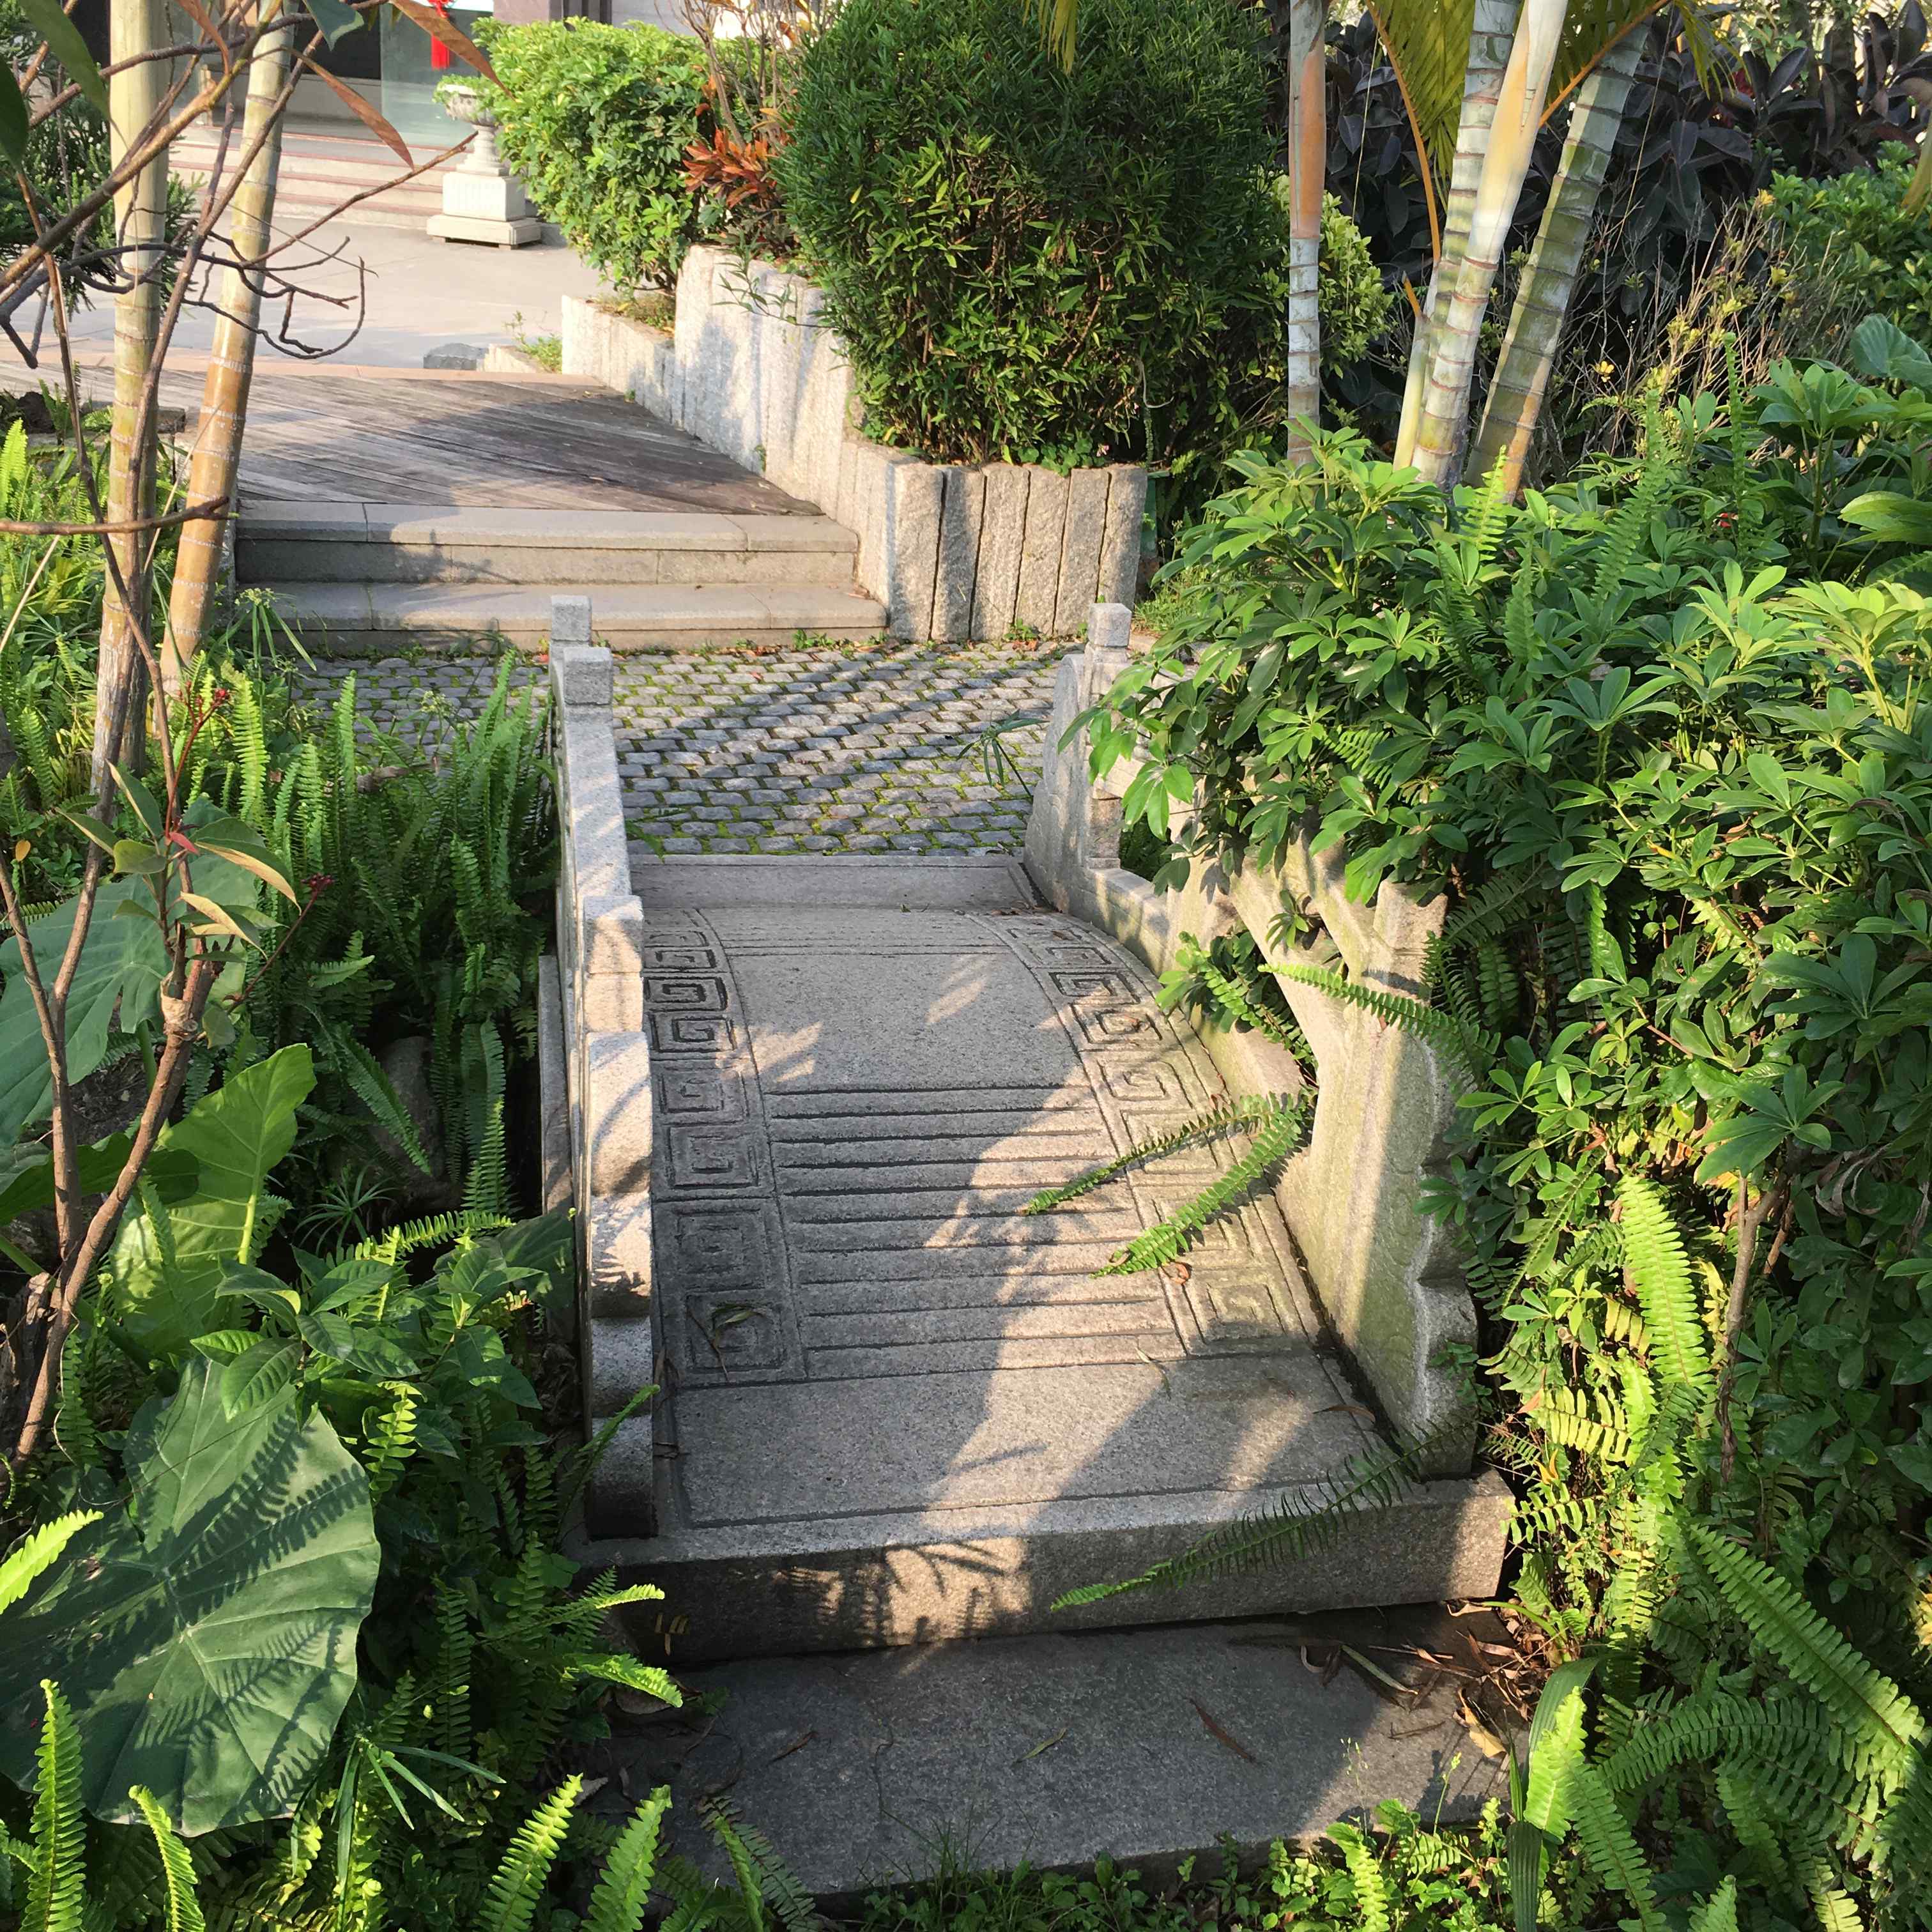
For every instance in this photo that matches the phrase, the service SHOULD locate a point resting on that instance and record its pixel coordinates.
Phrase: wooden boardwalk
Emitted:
(322, 433)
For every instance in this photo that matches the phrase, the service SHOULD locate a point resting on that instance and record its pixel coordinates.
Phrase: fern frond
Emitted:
(623, 1892)
(374, 1089)
(1372, 1896)
(1611, 1847)
(1834, 1908)
(1294, 1527)
(1274, 1141)
(56, 1879)
(790, 1902)
(38, 1552)
(1660, 1271)
(1744, 1808)
(434, 1231)
(181, 1909)
(1471, 1050)
(1883, 1726)
(1719, 1913)
(1231, 1116)
(389, 1440)
(1629, 524)
(449, 1680)
(510, 1904)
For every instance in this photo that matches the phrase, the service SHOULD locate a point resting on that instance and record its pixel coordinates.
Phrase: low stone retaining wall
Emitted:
(607, 1063)
(953, 551)
(1389, 1278)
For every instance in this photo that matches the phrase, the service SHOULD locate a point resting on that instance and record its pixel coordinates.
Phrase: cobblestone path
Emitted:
(895, 748)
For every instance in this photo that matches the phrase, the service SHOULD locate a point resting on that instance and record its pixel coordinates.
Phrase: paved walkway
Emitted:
(819, 749)
(415, 294)
(327, 433)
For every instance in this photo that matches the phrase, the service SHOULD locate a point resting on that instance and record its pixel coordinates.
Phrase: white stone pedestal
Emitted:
(482, 201)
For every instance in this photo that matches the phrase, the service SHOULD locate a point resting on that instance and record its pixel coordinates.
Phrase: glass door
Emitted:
(413, 62)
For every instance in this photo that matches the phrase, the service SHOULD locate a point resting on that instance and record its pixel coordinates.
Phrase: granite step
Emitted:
(897, 1411)
(1146, 1747)
(384, 618)
(400, 543)
(318, 173)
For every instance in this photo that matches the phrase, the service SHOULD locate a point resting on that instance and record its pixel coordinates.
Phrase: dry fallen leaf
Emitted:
(798, 1743)
(1046, 1745)
(1215, 1731)
(1485, 1740)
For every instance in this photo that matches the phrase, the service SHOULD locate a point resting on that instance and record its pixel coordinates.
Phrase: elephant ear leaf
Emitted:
(169, 1274)
(1883, 351)
(205, 1636)
(116, 986)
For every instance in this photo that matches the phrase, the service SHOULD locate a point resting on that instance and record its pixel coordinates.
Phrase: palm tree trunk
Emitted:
(231, 362)
(1543, 298)
(1491, 25)
(1454, 332)
(1308, 133)
(134, 96)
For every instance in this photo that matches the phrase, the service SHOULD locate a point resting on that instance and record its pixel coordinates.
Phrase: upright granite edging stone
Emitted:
(955, 552)
(606, 1062)
(1388, 1276)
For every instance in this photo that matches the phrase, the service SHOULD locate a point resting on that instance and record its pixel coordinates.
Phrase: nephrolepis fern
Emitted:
(1371, 1893)
(1296, 1526)
(1278, 1126)
(1471, 1048)
(518, 1885)
(623, 1891)
(1243, 1112)
(56, 1875)
(179, 1909)
(1660, 1271)
(1884, 1731)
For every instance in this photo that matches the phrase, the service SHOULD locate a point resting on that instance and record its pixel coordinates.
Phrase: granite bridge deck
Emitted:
(896, 1409)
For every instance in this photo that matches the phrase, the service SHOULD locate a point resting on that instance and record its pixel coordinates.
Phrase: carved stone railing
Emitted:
(600, 947)
(1388, 1277)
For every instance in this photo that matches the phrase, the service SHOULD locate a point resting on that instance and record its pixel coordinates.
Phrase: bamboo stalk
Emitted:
(1308, 135)
(1515, 400)
(135, 95)
(1491, 26)
(231, 361)
(1454, 333)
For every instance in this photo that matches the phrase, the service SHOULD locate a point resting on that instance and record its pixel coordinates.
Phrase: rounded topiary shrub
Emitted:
(1029, 265)
(595, 121)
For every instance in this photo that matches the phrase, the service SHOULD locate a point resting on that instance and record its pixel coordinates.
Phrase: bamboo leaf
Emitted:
(65, 44)
(12, 117)
(365, 113)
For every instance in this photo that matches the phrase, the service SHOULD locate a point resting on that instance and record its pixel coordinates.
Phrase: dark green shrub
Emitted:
(1034, 265)
(1853, 231)
(595, 120)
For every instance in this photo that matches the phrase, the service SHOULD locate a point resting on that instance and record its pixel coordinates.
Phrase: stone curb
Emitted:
(954, 552)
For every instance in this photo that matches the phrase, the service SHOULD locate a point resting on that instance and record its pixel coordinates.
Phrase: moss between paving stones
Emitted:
(821, 747)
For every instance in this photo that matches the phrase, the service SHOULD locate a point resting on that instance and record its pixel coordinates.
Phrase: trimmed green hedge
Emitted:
(595, 120)
(1034, 265)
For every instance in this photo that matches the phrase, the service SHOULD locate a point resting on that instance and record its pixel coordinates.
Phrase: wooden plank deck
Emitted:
(455, 439)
